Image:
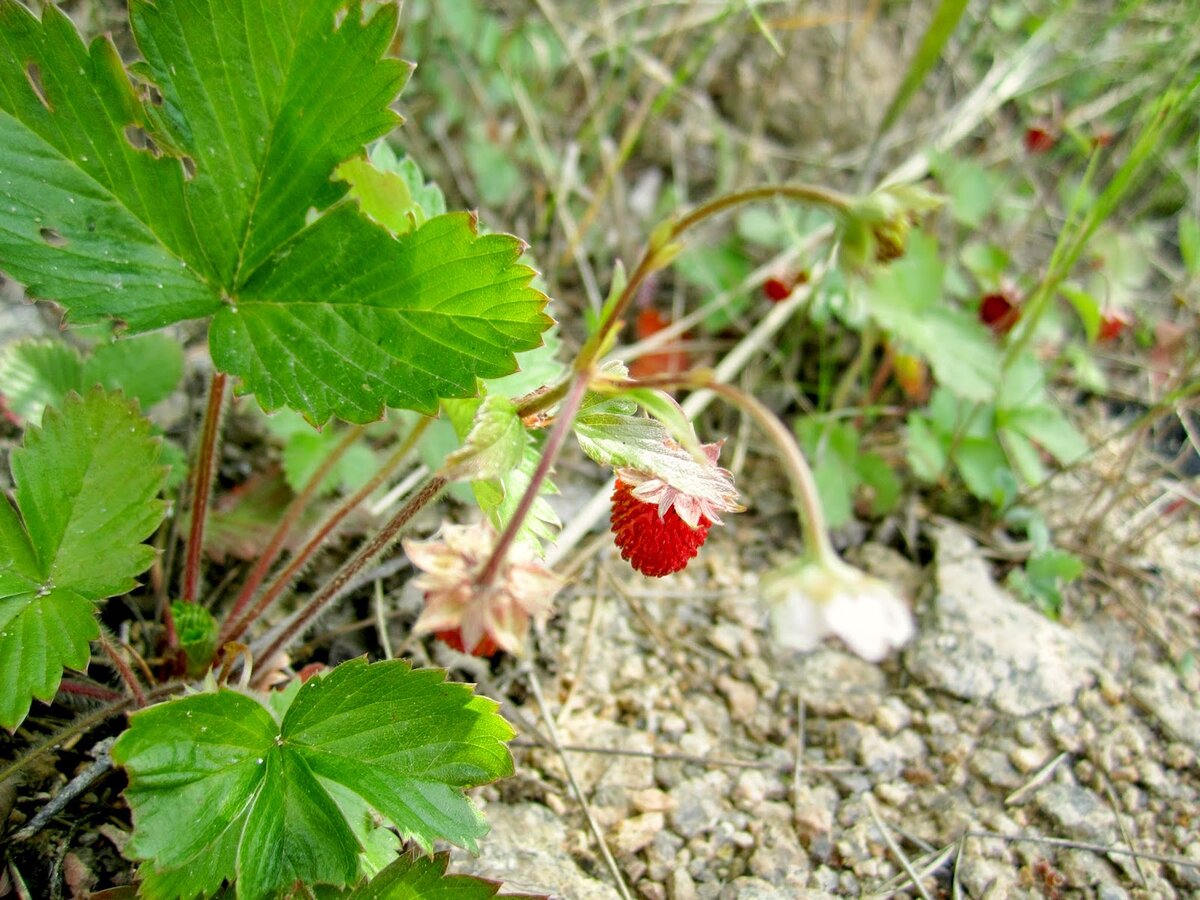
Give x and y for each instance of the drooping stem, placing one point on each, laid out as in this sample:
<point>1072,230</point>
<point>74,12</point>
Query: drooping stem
<point>232,630</point>
<point>295,509</point>
<point>802,193</point>
<point>202,479</point>
<point>363,557</point>
<point>656,254</point>
<point>123,669</point>
<point>804,485</point>
<point>554,445</point>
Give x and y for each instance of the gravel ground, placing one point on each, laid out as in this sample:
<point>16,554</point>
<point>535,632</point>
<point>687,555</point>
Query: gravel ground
<point>1000,755</point>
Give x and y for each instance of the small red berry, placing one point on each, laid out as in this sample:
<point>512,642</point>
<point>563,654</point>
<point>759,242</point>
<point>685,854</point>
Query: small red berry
<point>1039,139</point>
<point>776,289</point>
<point>654,545</point>
<point>999,311</point>
<point>453,639</point>
<point>1112,323</point>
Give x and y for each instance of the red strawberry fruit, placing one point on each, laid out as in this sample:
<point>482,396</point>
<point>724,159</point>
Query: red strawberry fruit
<point>1112,323</point>
<point>1039,139</point>
<point>999,311</point>
<point>654,544</point>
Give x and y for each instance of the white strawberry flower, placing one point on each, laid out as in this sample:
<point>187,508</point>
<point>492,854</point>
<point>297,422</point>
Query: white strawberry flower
<point>819,595</point>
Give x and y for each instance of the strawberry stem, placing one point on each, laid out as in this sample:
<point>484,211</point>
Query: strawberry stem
<point>202,479</point>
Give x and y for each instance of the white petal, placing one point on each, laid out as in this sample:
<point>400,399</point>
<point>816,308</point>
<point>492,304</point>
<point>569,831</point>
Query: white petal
<point>797,622</point>
<point>872,622</point>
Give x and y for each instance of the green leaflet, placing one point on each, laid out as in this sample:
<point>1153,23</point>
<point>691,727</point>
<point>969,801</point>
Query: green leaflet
<point>413,877</point>
<point>87,483</point>
<point>37,373</point>
<point>220,200</point>
<point>267,795</point>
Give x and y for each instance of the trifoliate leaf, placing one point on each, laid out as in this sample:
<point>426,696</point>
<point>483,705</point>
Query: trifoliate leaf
<point>86,487</point>
<point>206,188</point>
<point>263,795</point>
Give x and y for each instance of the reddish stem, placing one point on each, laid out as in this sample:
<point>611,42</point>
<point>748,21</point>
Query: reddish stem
<point>295,509</point>
<point>202,479</point>
<point>94,691</point>
<point>365,555</point>
<point>554,444</point>
<point>234,630</point>
<point>122,667</point>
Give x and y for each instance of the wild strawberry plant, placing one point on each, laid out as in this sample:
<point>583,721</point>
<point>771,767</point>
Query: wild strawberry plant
<point>235,176</point>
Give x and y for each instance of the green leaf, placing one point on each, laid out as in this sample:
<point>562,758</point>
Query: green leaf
<point>1043,576</point>
<point>383,196</point>
<point>219,200</point>
<point>1023,456</point>
<point>924,451</point>
<point>86,217</point>
<point>148,367</point>
<point>1086,306</point>
<point>973,189</point>
<point>499,498</point>
<point>905,300</point>
<point>263,795</point>
<point>832,447</point>
<point>980,462</point>
<point>368,320</point>
<point>38,373</point>
<point>494,445</point>
<point>875,472</point>
<point>305,449</point>
<point>86,487</point>
<point>536,368</point>
<point>35,374</point>
<point>414,877</point>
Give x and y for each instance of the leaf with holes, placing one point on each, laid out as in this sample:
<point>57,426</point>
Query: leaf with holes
<point>86,491</point>
<point>274,792</point>
<point>200,183</point>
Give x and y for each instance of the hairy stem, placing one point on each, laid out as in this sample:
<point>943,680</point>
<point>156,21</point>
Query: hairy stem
<point>123,669</point>
<point>86,689</point>
<point>202,479</point>
<point>554,445</point>
<point>363,557</point>
<point>232,630</point>
<point>295,509</point>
